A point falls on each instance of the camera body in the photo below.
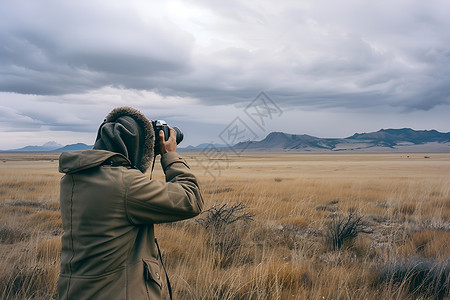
(159, 125)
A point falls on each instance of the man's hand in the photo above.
(171, 144)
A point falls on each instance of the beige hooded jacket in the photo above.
(108, 210)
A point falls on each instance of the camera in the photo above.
(162, 125)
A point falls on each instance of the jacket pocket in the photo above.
(152, 272)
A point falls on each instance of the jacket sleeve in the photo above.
(154, 201)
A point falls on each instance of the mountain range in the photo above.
(405, 139)
(384, 140)
(52, 147)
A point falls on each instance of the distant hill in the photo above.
(49, 146)
(293, 141)
(52, 147)
(405, 139)
(384, 140)
(74, 147)
(392, 137)
(46, 147)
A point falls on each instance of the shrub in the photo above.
(344, 228)
(422, 276)
(225, 236)
(223, 216)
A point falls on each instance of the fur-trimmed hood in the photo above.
(128, 131)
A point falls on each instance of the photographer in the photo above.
(109, 208)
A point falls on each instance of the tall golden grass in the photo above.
(283, 253)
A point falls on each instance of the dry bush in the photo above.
(226, 245)
(226, 228)
(222, 216)
(420, 276)
(344, 228)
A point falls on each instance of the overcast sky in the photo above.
(333, 68)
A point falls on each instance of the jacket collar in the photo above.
(76, 161)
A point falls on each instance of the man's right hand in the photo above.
(171, 144)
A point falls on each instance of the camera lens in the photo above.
(179, 134)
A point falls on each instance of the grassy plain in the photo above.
(399, 205)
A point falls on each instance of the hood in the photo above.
(128, 131)
(76, 161)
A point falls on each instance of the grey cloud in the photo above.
(316, 55)
(43, 53)
(15, 120)
(32, 113)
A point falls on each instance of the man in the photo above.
(109, 208)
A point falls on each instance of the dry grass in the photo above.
(282, 253)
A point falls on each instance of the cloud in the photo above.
(311, 51)
(65, 47)
(82, 58)
(85, 112)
